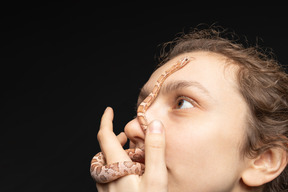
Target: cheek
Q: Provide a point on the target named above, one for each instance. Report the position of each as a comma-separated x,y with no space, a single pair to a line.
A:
182,146
201,148
188,156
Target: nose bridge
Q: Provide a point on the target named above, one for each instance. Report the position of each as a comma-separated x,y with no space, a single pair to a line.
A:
145,111
134,130
153,112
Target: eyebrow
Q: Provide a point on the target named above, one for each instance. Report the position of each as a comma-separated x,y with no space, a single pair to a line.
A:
174,86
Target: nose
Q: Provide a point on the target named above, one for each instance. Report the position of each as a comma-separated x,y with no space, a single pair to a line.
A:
133,129
135,134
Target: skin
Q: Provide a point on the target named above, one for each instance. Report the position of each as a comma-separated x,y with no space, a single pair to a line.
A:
211,127
198,132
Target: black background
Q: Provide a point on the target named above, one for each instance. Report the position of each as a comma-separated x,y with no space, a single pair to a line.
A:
63,63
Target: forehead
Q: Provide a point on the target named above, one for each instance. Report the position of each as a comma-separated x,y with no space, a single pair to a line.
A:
209,69
205,62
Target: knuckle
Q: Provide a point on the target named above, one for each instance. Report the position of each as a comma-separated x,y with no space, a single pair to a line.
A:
155,143
100,135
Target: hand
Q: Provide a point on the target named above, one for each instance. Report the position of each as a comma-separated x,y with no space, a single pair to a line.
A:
155,178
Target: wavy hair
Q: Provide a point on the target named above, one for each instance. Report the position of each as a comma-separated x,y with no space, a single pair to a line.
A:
262,82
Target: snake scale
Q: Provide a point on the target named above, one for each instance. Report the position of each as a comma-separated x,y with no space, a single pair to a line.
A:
103,173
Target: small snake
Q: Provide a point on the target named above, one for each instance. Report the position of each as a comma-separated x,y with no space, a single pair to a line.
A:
103,173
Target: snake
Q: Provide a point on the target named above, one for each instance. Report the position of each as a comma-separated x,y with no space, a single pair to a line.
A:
102,172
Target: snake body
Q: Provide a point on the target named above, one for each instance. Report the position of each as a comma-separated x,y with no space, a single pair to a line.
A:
103,173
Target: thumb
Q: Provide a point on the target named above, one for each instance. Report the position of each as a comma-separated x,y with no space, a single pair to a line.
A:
155,166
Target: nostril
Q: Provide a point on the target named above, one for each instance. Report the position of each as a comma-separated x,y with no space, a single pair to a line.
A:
135,134
136,142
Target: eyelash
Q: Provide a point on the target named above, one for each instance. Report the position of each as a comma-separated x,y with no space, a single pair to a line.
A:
188,99
192,101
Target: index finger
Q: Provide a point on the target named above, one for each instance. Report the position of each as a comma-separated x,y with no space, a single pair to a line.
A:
109,143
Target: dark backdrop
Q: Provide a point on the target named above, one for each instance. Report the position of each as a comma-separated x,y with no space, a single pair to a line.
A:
63,63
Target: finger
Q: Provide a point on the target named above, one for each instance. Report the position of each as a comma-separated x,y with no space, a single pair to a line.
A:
155,166
107,119
132,145
102,187
122,138
108,141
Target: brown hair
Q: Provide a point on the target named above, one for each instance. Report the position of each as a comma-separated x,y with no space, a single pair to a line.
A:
262,82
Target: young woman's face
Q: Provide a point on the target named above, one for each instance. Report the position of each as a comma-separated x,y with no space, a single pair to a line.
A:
204,118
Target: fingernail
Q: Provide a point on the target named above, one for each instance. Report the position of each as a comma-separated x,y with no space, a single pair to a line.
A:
155,127
106,109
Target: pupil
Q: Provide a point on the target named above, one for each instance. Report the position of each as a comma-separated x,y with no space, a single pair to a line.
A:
180,103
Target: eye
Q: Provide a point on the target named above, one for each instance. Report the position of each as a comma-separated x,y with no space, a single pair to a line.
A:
184,103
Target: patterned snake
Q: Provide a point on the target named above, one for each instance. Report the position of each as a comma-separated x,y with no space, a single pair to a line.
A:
103,173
